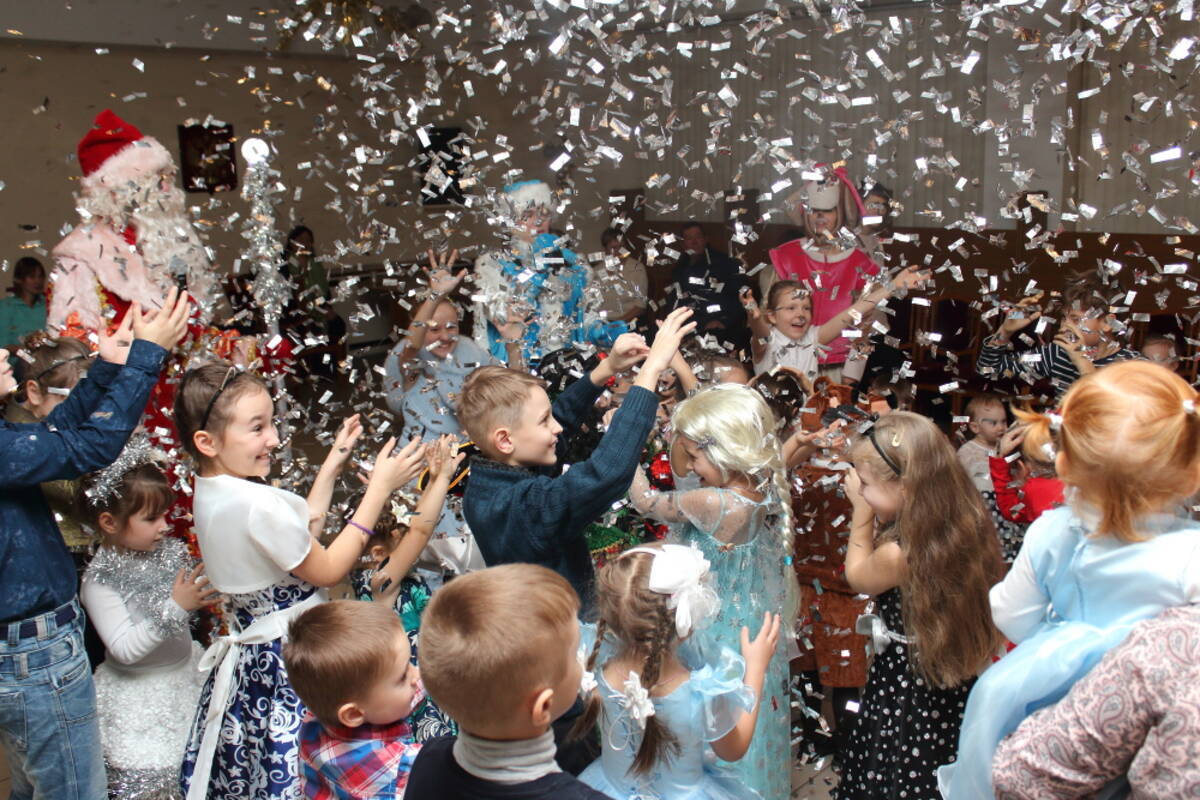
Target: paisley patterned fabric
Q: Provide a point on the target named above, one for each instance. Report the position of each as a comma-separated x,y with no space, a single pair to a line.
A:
257,754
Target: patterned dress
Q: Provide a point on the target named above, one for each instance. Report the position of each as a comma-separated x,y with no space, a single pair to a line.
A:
427,720
905,728
257,754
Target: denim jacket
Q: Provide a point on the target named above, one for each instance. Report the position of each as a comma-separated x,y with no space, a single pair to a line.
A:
86,432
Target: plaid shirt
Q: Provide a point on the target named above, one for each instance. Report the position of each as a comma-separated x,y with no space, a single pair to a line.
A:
370,761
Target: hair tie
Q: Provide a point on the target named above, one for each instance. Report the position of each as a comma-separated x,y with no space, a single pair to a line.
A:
681,572
1189,407
1056,421
636,700
878,449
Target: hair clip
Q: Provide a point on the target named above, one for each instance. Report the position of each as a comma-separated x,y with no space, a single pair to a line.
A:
895,438
1056,421
705,442
681,571
1189,407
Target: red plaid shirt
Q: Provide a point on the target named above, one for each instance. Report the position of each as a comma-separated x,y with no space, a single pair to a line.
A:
370,761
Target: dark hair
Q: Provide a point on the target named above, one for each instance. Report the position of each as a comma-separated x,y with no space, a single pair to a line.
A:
142,489
25,266
200,394
290,246
609,235
784,393
692,223
1086,293
54,363
779,287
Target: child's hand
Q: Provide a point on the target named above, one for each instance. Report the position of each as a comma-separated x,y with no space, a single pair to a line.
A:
666,341
115,348
192,590
443,457
343,443
1011,440
911,278
513,328
166,326
749,303
759,651
395,469
441,280
853,486
627,350
1020,316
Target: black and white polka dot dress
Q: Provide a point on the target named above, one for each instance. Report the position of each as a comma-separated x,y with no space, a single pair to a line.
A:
905,729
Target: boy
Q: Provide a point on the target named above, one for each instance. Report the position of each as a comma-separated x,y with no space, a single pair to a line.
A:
518,508
349,662
1083,344
48,718
1161,350
987,423
499,653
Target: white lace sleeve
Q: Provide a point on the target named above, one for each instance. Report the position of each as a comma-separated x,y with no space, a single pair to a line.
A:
720,513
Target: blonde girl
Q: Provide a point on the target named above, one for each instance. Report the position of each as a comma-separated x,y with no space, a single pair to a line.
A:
921,543
740,519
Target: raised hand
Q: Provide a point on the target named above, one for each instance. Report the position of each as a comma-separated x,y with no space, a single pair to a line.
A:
1021,315
441,280
343,443
1011,440
758,651
670,335
396,468
166,326
749,303
443,457
192,589
627,350
911,277
114,347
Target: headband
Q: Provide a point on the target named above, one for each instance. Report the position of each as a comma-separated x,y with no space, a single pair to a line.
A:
232,371
878,449
681,572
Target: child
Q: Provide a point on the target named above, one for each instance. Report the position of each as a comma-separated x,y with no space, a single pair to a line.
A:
922,543
392,580
351,667
139,592
500,653
1041,490
988,421
259,544
661,695
1120,551
785,334
42,657
740,518
1161,350
1084,344
519,514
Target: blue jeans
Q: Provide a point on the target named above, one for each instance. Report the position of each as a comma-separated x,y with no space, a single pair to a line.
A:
48,725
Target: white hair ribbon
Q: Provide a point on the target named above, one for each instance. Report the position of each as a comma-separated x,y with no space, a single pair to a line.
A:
680,571
587,680
636,700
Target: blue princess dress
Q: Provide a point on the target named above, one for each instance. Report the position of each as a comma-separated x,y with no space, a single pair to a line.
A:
743,541
701,710
1068,600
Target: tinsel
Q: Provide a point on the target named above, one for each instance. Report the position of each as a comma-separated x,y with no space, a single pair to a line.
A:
263,251
145,580
137,451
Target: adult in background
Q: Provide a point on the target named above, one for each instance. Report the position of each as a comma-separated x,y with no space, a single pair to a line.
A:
620,282
708,281
25,311
311,319
829,260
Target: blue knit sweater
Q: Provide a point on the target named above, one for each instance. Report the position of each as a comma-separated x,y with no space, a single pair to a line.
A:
521,515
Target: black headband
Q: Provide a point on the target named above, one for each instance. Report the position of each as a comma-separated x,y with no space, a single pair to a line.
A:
37,378
878,449
213,401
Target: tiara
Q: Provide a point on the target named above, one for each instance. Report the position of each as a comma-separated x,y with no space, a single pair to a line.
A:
138,451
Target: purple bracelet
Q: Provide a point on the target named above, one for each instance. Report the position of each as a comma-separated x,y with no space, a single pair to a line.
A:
362,528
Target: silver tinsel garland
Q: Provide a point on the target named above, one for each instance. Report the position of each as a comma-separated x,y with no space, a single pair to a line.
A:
145,580
137,451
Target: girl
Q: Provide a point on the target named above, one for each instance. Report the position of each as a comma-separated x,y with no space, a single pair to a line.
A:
25,311
1120,551
139,592
660,694
260,547
923,544
392,553
1041,490
785,335
740,518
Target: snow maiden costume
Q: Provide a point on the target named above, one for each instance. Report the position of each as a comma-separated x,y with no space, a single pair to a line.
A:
538,277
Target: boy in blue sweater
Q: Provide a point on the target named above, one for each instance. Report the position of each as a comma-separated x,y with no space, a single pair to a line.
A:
519,507
48,720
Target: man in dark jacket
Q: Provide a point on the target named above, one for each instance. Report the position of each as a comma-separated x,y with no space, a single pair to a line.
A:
708,281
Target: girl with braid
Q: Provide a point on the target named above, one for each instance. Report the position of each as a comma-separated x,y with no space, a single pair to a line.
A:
740,520
663,694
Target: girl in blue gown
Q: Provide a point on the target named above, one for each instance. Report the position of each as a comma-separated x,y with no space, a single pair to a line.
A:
1120,551
740,519
665,696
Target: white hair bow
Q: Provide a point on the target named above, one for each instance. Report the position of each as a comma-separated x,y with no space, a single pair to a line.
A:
587,680
681,571
636,700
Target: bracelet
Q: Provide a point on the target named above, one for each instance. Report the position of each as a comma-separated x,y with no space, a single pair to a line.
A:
362,528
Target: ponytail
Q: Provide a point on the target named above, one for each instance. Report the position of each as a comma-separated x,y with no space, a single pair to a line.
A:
1039,445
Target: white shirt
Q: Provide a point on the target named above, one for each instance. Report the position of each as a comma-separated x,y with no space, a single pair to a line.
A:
973,455
798,354
130,640
251,536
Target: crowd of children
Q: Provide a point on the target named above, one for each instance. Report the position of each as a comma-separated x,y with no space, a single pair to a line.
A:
817,546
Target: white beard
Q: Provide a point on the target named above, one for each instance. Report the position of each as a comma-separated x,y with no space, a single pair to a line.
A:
166,240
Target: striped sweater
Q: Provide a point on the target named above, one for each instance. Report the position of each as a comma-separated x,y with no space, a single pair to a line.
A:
1044,361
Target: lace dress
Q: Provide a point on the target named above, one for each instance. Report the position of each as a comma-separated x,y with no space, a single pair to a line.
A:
256,755
743,542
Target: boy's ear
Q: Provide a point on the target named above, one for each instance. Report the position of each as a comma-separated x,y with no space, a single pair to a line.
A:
350,715
541,710
501,441
206,443
973,426
107,523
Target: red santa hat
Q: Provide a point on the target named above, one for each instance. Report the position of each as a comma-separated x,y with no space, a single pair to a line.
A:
114,151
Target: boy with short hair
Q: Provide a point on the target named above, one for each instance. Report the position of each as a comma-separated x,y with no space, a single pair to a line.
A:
988,422
499,652
349,662
519,507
